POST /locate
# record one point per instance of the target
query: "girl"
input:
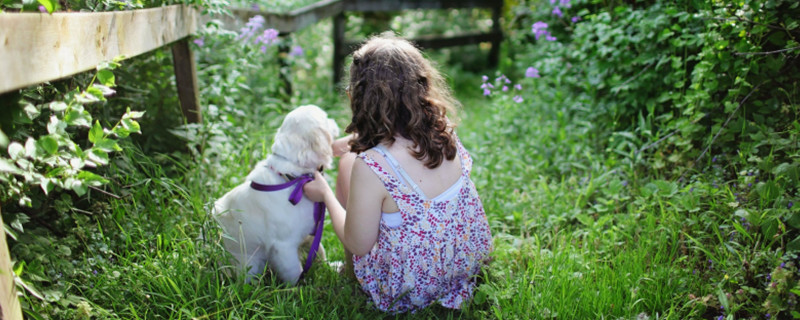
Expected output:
(414, 223)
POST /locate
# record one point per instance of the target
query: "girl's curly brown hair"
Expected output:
(394, 90)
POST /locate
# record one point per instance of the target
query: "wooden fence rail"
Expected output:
(291, 21)
(37, 47)
(297, 19)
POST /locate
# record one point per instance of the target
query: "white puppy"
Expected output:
(264, 227)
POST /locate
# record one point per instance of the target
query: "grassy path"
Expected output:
(570, 240)
(159, 257)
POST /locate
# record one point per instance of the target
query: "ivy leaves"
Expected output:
(54, 160)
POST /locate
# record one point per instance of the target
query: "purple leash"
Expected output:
(294, 198)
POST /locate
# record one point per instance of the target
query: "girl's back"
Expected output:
(434, 246)
(431, 182)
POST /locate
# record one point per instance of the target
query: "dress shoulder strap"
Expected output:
(466, 160)
(390, 182)
(398, 170)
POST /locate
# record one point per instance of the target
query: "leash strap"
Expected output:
(294, 198)
(319, 218)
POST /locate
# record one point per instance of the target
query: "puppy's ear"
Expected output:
(333, 128)
(319, 152)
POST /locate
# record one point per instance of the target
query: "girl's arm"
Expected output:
(364, 204)
(357, 228)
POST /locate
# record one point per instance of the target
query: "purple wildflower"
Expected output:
(255, 7)
(550, 38)
(502, 78)
(485, 78)
(624, 183)
(783, 265)
(42, 9)
(552, 1)
(251, 27)
(565, 3)
(505, 88)
(789, 206)
(575, 19)
(532, 72)
(518, 99)
(199, 41)
(487, 92)
(767, 316)
(94, 272)
(268, 37)
(557, 12)
(539, 29)
(297, 51)
(714, 159)
(518, 86)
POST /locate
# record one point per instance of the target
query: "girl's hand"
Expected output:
(317, 189)
(341, 146)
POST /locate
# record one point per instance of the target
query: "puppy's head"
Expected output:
(305, 138)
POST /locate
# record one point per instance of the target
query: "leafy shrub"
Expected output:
(62, 145)
(702, 94)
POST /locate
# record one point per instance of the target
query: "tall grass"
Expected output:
(157, 254)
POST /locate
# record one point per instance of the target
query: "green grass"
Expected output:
(162, 256)
(580, 232)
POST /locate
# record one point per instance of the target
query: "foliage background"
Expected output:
(649, 171)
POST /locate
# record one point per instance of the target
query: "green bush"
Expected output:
(700, 94)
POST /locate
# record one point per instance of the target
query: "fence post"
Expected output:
(186, 80)
(494, 53)
(9, 303)
(339, 50)
(284, 70)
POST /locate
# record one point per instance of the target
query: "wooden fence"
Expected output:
(303, 17)
(343, 47)
(37, 48)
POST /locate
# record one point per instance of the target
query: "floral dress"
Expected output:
(432, 250)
